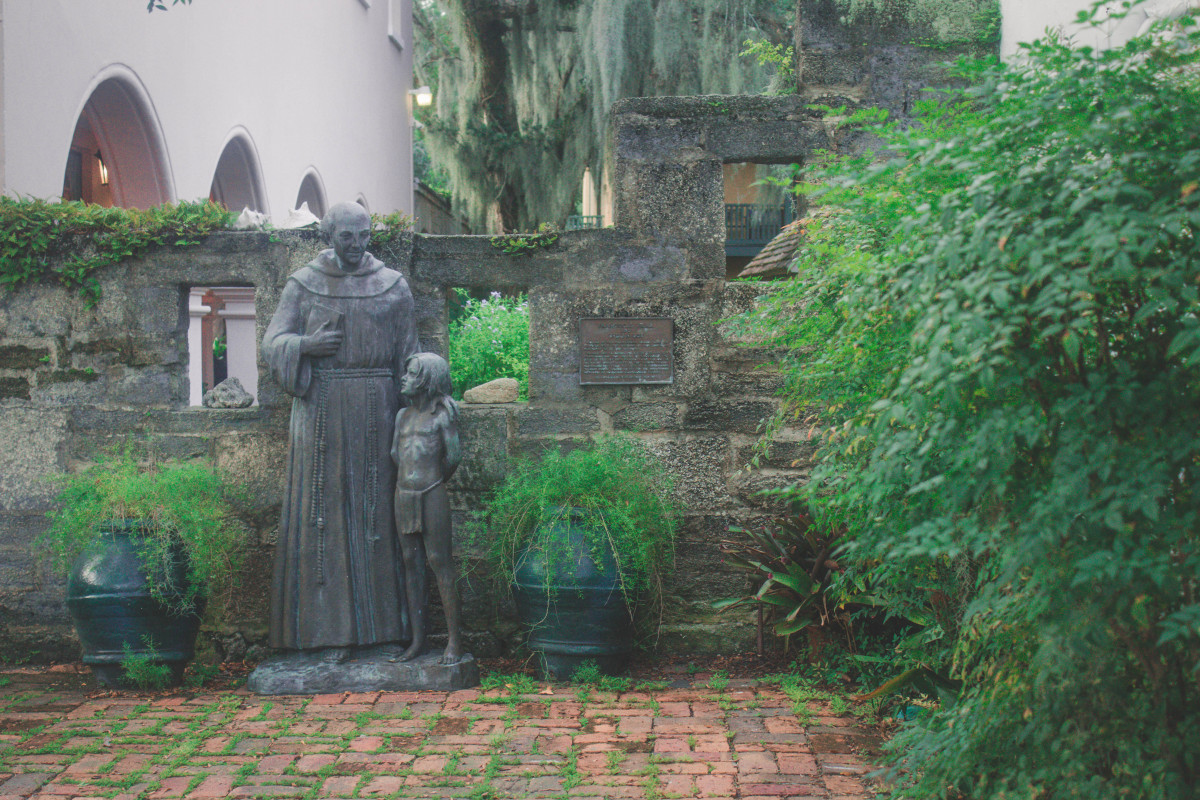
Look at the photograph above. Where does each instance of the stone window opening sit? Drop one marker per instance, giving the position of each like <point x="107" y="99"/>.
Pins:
<point x="222" y="340"/>
<point x="488" y="338"/>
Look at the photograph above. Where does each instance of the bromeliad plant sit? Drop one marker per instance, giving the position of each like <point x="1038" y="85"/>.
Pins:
<point x="184" y="503"/>
<point x="795" y="563"/>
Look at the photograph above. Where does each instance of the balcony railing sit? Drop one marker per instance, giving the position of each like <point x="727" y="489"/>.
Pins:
<point x="577" y="222"/>
<point x="749" y="227"/>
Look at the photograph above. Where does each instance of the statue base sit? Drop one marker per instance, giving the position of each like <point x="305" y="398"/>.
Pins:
<point x="306" y="673"/>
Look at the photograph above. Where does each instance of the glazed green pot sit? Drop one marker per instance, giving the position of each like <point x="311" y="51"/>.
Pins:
<point x="569" y="598"/>
<point x="109" y="599"/>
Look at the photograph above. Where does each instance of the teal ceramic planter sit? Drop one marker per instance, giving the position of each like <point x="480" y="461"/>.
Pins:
<point x="109" y="599"/>
<point x="569" y="599"/>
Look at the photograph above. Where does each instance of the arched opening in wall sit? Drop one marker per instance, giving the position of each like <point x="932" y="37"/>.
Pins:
<point x="313" y="193"/>
<point x="237" y="182"/>
<point x="222" y="340"/>
<point x="117" y="155"/>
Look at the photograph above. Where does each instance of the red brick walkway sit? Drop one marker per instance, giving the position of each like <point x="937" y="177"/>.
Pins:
<point x="743" y="741"/>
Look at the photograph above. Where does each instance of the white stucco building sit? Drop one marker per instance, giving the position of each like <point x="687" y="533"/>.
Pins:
<point x="258" y="103"/>
<point x="1027" y="20"/>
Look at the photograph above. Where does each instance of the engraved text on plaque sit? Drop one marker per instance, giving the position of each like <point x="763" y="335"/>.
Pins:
<point x="626" y="350"/>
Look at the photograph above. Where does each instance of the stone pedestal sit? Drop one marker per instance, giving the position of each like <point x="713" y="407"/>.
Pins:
<point x="306" y="673"/>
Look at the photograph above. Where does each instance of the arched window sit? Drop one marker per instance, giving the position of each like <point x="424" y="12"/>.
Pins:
<point x="312" y="191"/>
<point x="237" y="182"/>
<point x="118" y="156"/>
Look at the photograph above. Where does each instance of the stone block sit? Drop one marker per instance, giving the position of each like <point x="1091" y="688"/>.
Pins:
<point x="19" y="356"/>
<point x="484" y="432"/>
<point x="14" y="388"/>
<point x="732" y="633"/>
<point x="302" y="673"/>
<point x="679" y="199"/>
<point x="39" y="309"/>
<point x="162" y="310"/>
<point x="741" y="416"/>
<point x="700" y="575"/>
<point x="554" y="336"/>
<point x="33" y="450"/>
<point x="647" y="417"/>
<point x="780" y="454"/>
<point x="754" y="383"/>
<point x="256" y="463"/>
<point x="700" y="466"/>
<point x="500" y="390"/>
<point x="751" y="486"/>
<point x="550" y="421"/>
<point x="473" y="262"/>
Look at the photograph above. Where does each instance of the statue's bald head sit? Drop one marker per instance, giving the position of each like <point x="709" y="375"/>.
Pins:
<point x="341" y="213"/>
<point x="347" y="226"/>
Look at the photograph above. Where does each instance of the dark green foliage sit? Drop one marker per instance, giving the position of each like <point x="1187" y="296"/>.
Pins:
<point x="624" y="487"/>
<point x="1005" y="325"/>
<point x="187" y="502"/>
<point x="67" y="242"/>
<point x="794" y="560"/>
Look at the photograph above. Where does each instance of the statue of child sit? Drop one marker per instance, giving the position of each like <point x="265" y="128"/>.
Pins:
<point x="426" y="450"/>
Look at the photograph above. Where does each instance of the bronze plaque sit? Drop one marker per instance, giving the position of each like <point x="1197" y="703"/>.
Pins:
<point x="626" y="350"/>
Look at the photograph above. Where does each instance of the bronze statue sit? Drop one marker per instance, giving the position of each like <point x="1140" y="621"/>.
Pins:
<point x="426" y="450"/>
<point x="338" y="344"/>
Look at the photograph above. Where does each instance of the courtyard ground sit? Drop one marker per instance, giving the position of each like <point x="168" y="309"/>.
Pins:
<point x="695" y="736"/>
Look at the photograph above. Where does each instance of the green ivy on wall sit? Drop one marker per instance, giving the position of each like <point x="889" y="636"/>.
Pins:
<point x="67" y="242"/>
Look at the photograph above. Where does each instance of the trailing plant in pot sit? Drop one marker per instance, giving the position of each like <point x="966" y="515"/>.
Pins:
<point x="145" y="546"/>
<point x="583" y="539"/>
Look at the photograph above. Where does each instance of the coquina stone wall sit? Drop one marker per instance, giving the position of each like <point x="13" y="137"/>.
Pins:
<point x="75" y="381"/>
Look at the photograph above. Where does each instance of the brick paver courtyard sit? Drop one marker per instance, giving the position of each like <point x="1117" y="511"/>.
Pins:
<point x="742" y="740"/>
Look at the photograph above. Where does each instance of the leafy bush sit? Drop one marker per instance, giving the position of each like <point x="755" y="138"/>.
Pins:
<point x="617" y="482"/>
<point x="489" y="340"/>
<point x="186" y="503"/>
<point x="1009" y="360"/>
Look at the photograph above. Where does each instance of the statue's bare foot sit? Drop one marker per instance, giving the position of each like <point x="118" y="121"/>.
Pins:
<point x="412" y="652"/>
<point x="452" y="655"/>
<point x="335" y="655"/>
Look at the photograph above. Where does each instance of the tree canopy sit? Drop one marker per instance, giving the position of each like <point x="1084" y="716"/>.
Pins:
<point x="524" y="87"/>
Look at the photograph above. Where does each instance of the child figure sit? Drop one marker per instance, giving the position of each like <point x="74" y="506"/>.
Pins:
<point x="426" y="450"/>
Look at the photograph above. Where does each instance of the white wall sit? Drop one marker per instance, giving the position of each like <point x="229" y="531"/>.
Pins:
<point x="1027" y="20"/>
<point x="314" y="84"/>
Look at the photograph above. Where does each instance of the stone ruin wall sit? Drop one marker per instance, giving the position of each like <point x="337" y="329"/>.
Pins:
<point x="75" y="381"/>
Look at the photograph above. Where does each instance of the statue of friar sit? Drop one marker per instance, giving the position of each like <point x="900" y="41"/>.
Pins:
<point x="338" y="343"/>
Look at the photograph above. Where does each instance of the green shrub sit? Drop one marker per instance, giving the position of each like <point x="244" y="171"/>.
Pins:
<point x="179" y="502"/>
<point x="622" y="486"/>
<point x="1010" y="364"/>
<point x="489" y="340"/>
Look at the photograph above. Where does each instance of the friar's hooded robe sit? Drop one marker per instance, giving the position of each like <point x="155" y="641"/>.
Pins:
<point x="338" y="577"/>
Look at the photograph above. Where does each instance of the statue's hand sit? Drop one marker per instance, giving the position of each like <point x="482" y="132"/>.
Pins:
<point x="322" y="342"/>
